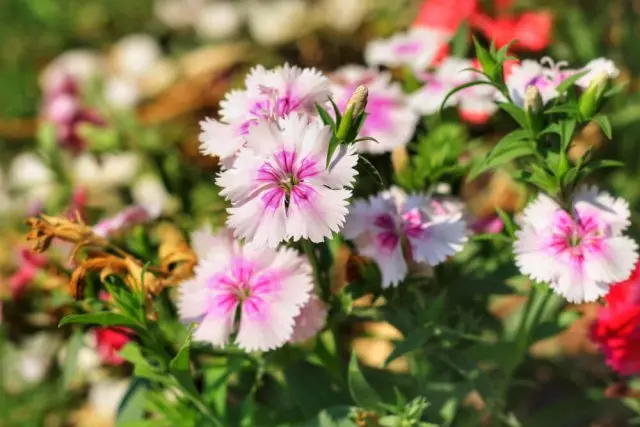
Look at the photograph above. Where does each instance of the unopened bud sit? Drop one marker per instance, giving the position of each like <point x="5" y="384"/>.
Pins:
<point x="532" y="100"/>
<point x="358" y="101"/>
<point x="590" y="99"/>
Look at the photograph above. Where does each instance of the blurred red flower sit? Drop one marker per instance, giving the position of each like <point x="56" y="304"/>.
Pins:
<point x="445" y="15"/>
<point x="616" y="331"/>
<point x="109" y="342"/>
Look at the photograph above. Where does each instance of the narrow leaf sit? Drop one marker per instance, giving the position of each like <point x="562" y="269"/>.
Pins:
<point x="361" y="392"/>
<point x="104" y="318"/>
<point x="605" y="125"/>
<point x="570" y="81"/>
<point x="371" y="169"/>
<point x="324" y="115"/>
<point x="514" y="111"/>
<point x="462" y="87"/>
<point x="412" y="342"/>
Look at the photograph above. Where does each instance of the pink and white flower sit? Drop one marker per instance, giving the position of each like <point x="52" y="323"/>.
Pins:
<point x="476" y="103"/>
<point x="310" y="321"/>
<point x="267" y="287"/>
<point x="545" y="75"/>
<point x="389" y="120"/>
<point x="279" y="186"/>
<point x="130" y="216"/>
<point x="417" y="49"/>
<point x="428" y="231"/>
<point x="268" y="95"/>
<point x="579" y="253"/>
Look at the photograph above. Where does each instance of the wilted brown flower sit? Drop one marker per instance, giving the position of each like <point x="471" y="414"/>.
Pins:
<point x="177" y="260"/>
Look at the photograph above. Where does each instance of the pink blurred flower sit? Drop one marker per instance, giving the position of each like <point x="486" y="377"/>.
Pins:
<point x="491" y="224"/>
<point x="545" y="75"/>
<point x="583" y="251"/>
<point x="310" y="321"/>
<point x="389" y="120"/>
<point x="63" y="108"/>
<point x="381" y="225"/>
<point x="109" y="342"/>
<point x="417" y="49"/>
<point x="268" y="95"/>
<point x="445" y="15"/>
<point x="130" y="216"/>
<point x="29" y="264"/>
<point x="268" y="287"/>
<point x="280" y="188"/>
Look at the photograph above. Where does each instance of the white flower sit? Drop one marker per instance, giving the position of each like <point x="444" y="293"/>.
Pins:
<point x="280" y="188"/>
<point x="121" y="92"/>
<point x="277" y="22"/>
<point x="580" y="254"/>
<point x="596" y="67"/>
<point x="219" y="20"/>
<point x="81" y="64"/>
<point x="343" y="15"/>
<point x="112" y="170"/>
<point x="545" y="75"/>
<point x="135" y="54"/>
<point x="416" y="49"/>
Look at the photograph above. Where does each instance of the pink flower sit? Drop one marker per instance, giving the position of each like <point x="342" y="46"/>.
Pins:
<point x="310" y="321"/>
<point x="545" y="75"/>
<point x="279" y="186"/>
<point x="268" y="95"/>
<point x="127" y="218"/>
<point x="417" y="49"/>
<point x="29" y="264"/>
<point x="267" y="287"/>
<point x="443" y="15"/>
<point x="491" y="224"/>
<point x="381" y="225"/>
<point x="476" y="103"/>
<point x="579" y="253"/>
<point x="109" y="342"/>
<point x="390" y="120"/>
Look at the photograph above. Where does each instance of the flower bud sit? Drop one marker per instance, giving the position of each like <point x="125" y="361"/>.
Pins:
<point x="532" y="100"/>
<point x="353" y="114"/>
<point x="591" y="97"/>
<point x="358" y="101"/>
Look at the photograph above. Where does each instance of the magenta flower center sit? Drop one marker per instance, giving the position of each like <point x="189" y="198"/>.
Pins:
<point x="408" y="48"/>
<point x="271" y="106"/>
<point x="576" y="237"/>
<point x="285" y="179"/>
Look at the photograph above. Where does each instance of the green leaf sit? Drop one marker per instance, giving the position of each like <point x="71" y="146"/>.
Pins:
<point x="508" y="222"/>
<point x="181" y="361"/>
<point x="567" y="128"/>
<point x="133" y="404"/>
<point x="591" y="167"/>
<point x="333" y="144"/>
<point x="570" y="81"/>
<point x="75" y="344"/>
<point x="605" y="125"/>
<point x="514" y="111"/>
<point x="312" y="388"/>
<point x="371" y="169"/>
<point x="569" y="108"/>
<point x="336" y="112"/>
<point x="326" y="118"/>
<point x="414" y="340"/>
<point x="460" y="43"/>
<point x="512" y="146"/>
<point x="484" y="57"/>
<point x="361" y="392"/>
<point x="337" y="416"/>
<point x="615" y="89"/>
<point x="462" y="87"/>
<point x="105" y="318"/>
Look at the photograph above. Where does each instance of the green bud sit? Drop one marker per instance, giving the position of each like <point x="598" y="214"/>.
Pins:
<point x="590" y="99"/>
<point x="353" y="110"/>
<point x="533" y="109"/>
<point x="486" y="60"/>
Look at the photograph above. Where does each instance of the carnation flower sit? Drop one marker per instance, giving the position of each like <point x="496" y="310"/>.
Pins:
<point x="579" y="253"/>
<point x="381" y="225"/>
<point x="109" y="342"/>
<point x="130" y="216"/>
<point x="270" y="95"/>
<point x="476" y="103"/>
<point x="417" y="49"/>
<point x="267" y="287"/>
<point x="310" y="321"/>
<point x="280" y="187"/>
<point x="616" y="331"/>
<point x="544" y="75"/>
<point x="389" y="119"/>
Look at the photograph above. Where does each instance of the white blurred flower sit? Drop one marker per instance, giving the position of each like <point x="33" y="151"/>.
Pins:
<point x="277" y="22"/>
<point x="135" y="54"/>
<point x="113" y="170"/>
<point x="178" y="13"/>
<point x="219" y="20"/>
<point x="105" y="397"/>
<point x="82" y="64"/>
<point x="344" y="15"/>
<point x="34" y="357"/>
<point x="149" y="190"/>
<point x="28" y="170"/>
<point x="121" y="92"/>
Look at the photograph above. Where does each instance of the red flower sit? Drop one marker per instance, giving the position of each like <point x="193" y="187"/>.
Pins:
<point x="532" y="30"/>
<point x="29" y="264"/>
<point x="616" y="331"/>
<point x="109" y="342"/>
<point x="445" y="15"/>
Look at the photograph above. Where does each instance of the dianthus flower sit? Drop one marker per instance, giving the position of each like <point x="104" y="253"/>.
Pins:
<point x="267" y="287"/>
<point x="389" y="119"/>
<point x="545" y="75"/>
<point x="268" y="95"/>
<point x="417" y="49"/>
<point x="384" y="225"/>
<point x="280" y="187"/>
<point x="616" y="331"/>
<point x="310" y="321"/>
<point x="581" y="253"/>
